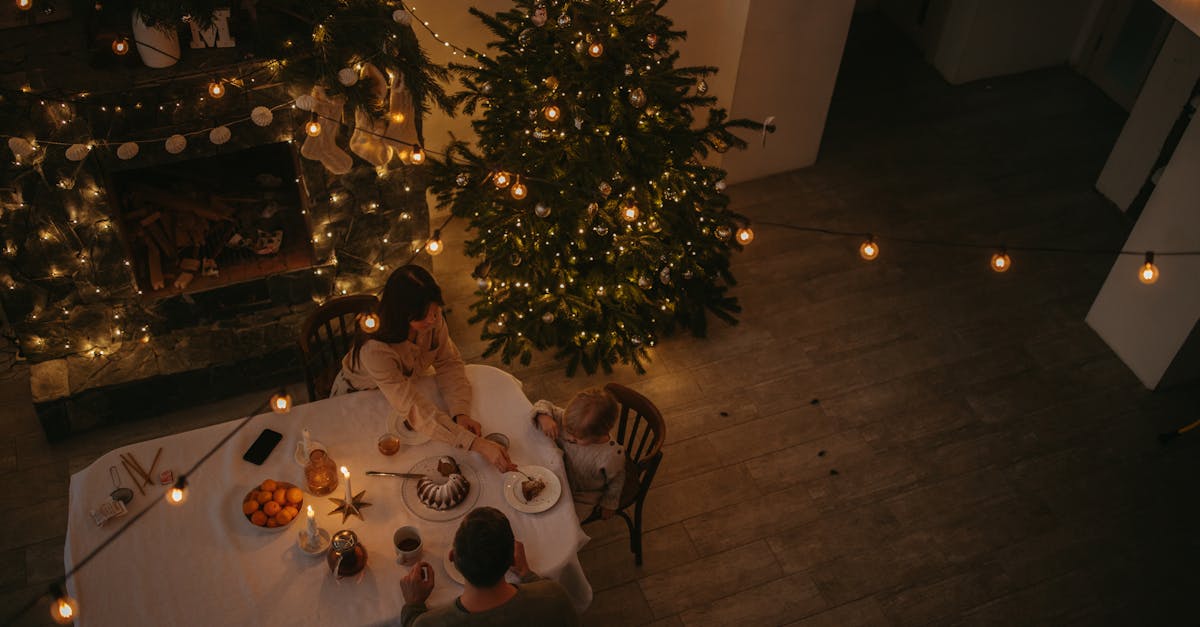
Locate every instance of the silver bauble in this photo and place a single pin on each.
(644, 282)
(547, 317)
(723, 232)
(541, 210)
(564, 20)
(402, 17)
(600, 230)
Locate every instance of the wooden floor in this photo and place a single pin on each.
(914, 441)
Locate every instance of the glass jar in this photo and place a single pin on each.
(321, 473)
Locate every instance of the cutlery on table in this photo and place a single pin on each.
(404, 475)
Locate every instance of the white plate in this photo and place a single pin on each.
(428, 466)
(540, 503)
(407, 436)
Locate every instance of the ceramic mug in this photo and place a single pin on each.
(407, 541)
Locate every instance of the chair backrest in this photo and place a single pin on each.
(640, 426)
(327, 336)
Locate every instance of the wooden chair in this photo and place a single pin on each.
(327, 336)
(641, 430)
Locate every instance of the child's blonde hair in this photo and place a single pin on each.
(591, 413)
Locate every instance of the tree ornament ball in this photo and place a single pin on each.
(702, 87)
(347, 76)
(595, 49)
(305, 102)
(402, 17)
(502, 179)
(564, 20)
(719, 185)
(592, 208)
(484, 283)
(526, 37)
(651, 40)
(600, 230)
(541, 210)
(637, 97)
(175, 144)
(605, 189)
(20, 147)
(219, 135)
(551, 82)
(644, 282)
(486, 89)
(127, 151)
(548, 317)
(515, 259)
(723, 232)
(77, 152)
(261, 116)
(461, 179)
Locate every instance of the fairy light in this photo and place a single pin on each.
(120, 46)
(216, 89)
(745, 235)
(1148, 272)
(596, 49)
(24, 5)
(502, 179)
(551, 113)
(434, 245)
(281, 402)
(369, 323)
(63, 609)
(418, 156)
(868, 250)
(519, 191)
(630, 213)
(313, 128)
(178, 492)
(1001, 262)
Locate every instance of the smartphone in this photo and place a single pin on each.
(262, 447)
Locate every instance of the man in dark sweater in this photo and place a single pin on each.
(484, 549)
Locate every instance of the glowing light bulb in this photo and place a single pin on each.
(313, 128)
(281, 403)
(120, 46)
(519, 191)
(1148, 273)
(434, 246)
(178, 492)
(398, 117)
(24, 5)
(630, 212)
(1001, 262)
(745, 235)
(551, 113)
(869, 250)
(64, 609)
(596, 49)
(216, 89)
(369, 323)
(502, 179)
(418, 156)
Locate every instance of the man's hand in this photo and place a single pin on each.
(495, 454)
(414, 588)
(469, 424)
(520, 562)
(548, 425)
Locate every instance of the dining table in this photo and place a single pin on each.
(204, 562)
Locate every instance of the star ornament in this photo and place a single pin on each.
(352, 508)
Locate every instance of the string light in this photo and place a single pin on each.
(281, 402)
(745, 235)
(418, 156)
(869, 250)
(519, 191)
(216, 89)
(1001, 262)
(120, 46)
(178, 492)
(434, 245)
(369, 323)
(24, 5)
(1148, 273)
(63, 609)
(502, 179)
(596, 49)
(630, 212)
(313, 128)
(551, 113)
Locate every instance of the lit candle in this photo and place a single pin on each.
(312, 526)
(306, 442)
(346, 476)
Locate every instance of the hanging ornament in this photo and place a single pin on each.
(644, 282)
(719, 185)
(723, 232)
(20, 147)
(219, 135)
(564, 20)
(305, 102)
(175, 144)
(541, 210)
(538, 17)
(77, 152)
(595, 49)
(486, 88)
(664, 275)
(261, 116)
(402, 17)
(637, 97)
(578, 123)
(502, 179)
(514, 259)
(347, 76)
(600, 230)
(653, 225)
(547, 317)
(525, 37)
(592, 208)
(628, 70)
(127, 151)
(550, 82)
(651, 40)
(702, 87)
(542, 134)
(605, 189)
(484, 283)
(461, 179)
(687, 274)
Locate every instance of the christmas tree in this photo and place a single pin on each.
(597, 227)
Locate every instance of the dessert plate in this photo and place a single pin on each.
(540, 503)
(407, 436)
(428, 467)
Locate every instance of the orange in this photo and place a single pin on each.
(292, 511)
(269, 485)
(271, 522)
(270, 508)
(249, 507)
(294, 495)
(283, 518)
(258, 518)
(262, 497)
(280, 496)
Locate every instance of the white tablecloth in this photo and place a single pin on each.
(204, 563)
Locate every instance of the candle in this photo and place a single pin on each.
(346, 476)
(312, 526)
(307, 443)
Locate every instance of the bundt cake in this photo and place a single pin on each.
(447, 494)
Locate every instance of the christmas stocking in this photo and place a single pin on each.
(323, 147)
(367, 141)
(401, 116)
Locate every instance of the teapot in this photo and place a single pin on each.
(347, 556)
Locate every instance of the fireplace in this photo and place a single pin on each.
(196, 225)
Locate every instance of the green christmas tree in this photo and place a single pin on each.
(597, 227)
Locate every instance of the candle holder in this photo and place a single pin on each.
(314, 546)
(353, 507)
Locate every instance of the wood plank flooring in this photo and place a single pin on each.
(914, 441)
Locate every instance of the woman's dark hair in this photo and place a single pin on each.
(483, 547)
(409, 292)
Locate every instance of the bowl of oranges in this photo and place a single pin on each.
(272, 504)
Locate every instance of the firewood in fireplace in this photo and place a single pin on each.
(154, 260)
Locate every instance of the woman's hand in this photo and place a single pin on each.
(494, 453)
(469, 424)
(548, 425)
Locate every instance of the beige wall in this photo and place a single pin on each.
(776, 57)
(1186, 11)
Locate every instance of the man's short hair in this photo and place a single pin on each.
(483, 547)
(591, 413)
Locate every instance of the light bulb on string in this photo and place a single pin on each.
(177, 494)
(1001, 262)
(281, 402)
(595, 49)
(418, 156)
(24, 5)
(745, 235)
(216, 89)
(1148, 272)
(434, 245)
(120, 46)
(369, 323)
(630, 213)
(63, 609)
(519, 191)
(502, 179)
(313, 128)
(869, 250)
(551, 113)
